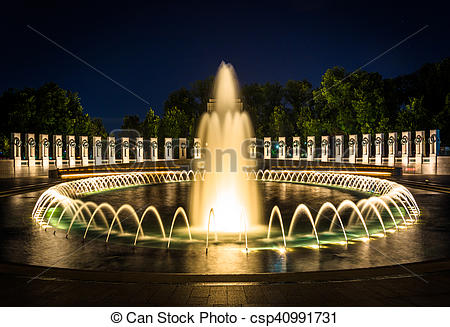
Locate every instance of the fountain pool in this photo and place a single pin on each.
(230, 217)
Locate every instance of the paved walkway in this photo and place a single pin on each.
(429, 285)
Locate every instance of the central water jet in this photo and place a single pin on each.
(223, 130)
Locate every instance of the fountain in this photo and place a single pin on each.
(225, 199)
(224, 128)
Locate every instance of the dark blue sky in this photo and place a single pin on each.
(155, 48)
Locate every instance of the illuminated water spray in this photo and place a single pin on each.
(223, 131)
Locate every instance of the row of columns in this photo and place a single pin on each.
(31, 146)
(406, 141)
(381, 151)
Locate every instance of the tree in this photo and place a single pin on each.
(298, 93)
(46, 110)
(132, 123)
(280, 122)
(96, 128)
(413, 116)
(333, 102)
(299, 96)
(183, 100)
(150, 125)
(201, 90)
(442, 120)
(368, 103)
(253, 99)
(175, 123)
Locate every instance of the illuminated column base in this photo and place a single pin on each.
(339, 147)
(58, 150)
(366, 146)
(125, 149)
(30, 149)
(197, 148)
(84, 150)
(252, 148)
(267, 148)
(310, 148)
(168, 148)
(406, 147)
(281, 147)
(139, 149)
(153, 149)
(44, 148)
(296, 148)
(16, 149)
(182, 148)
(325, 146)
(111, 150)
(434, 144)
(379, 148)
(392, 148)
(97, 150)
(352, 148)
(419, 143)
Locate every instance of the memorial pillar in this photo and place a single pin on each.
(339, 145)
(44, 150)
(310, 148)
(379, 148)
(267, 148)
(30, 149)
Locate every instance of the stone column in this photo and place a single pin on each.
(366, 147)
(16, 149)
(168, 148)
(97, 150)
(310, 148)
(182, 148)
(339, 145)
(197, 148)
(44, 149)
(325, 148)
(379, 148)
(281, 147)
(125, 149)
(252, 148)
(84, 150)
(296, 148)
(434, 143)
(392, 148)
(58, 150)
(70, 149)
(267, 148)
(111, 152)
(153, 149)
(139, 149)
(419, 142)
(406, 147)
(352, 148)
(30, 149)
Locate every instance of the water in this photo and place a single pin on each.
(23, 241)
(225, 188)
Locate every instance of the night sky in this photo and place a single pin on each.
(153, 49)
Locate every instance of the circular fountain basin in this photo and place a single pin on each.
(27, 242)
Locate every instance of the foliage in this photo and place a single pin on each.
(150, 125)
(343, 103)
(174, 123)
(47, 110)
(132, 122)
(412, 116)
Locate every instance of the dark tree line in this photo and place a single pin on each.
(344, 103)
(46, 110)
